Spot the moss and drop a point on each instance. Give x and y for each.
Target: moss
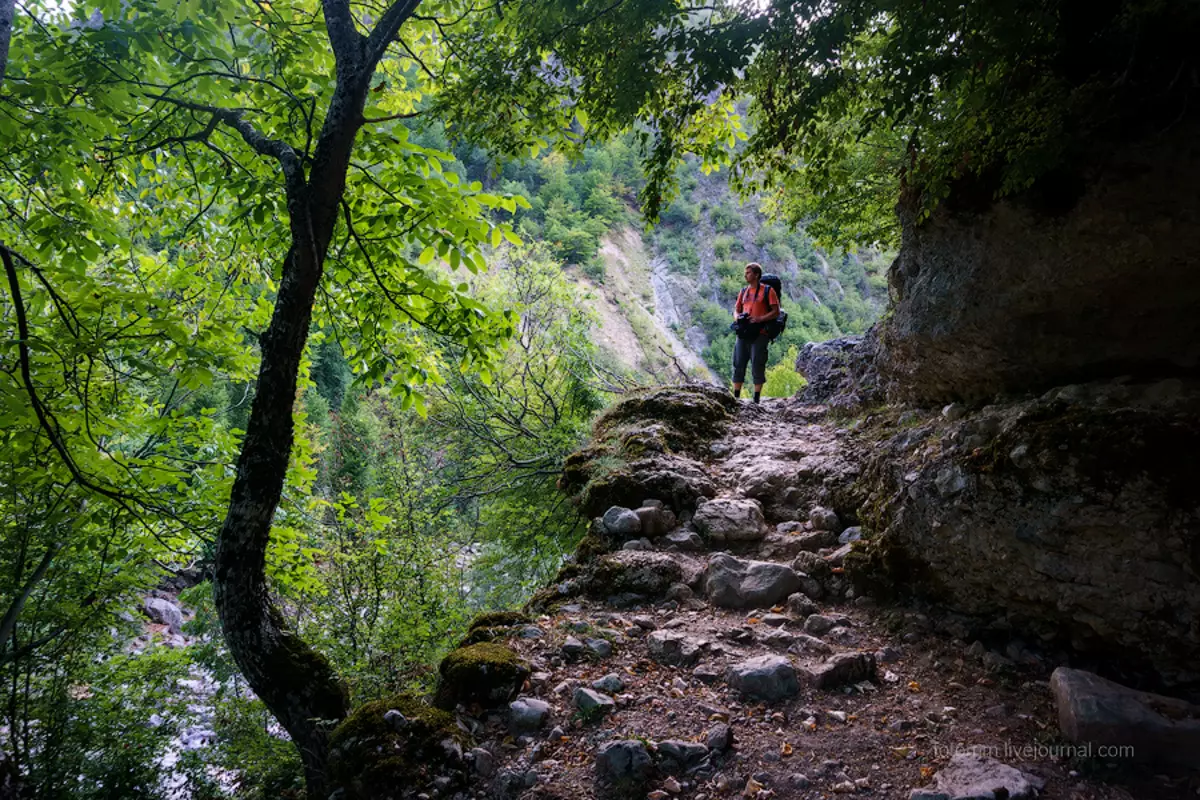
(369, 757)
(484, 673)
(687, 415)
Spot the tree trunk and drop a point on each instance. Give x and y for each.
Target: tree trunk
(299, 686)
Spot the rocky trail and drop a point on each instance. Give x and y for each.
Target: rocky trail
(721, 652)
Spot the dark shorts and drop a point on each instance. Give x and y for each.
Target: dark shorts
(754, 353)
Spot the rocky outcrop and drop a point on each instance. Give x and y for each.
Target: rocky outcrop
(1086, 276)
(841, 372)
(1074, 517)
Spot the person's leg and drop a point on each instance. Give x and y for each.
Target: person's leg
(758, 365)
(741, 357)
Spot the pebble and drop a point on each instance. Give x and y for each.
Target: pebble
(798, 780)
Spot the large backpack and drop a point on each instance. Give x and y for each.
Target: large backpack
(775, 326)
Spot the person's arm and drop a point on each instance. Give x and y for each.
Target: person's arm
(772, 305)
(737, 306)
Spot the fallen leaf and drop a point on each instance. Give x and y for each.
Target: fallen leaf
(752, 789)
(927, 773)
(913, 686)
(785, 749)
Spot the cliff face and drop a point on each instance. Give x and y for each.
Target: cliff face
(1087, 276)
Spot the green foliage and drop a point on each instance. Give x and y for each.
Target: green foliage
(782, 379)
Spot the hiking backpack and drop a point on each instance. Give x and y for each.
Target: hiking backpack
(775, 326)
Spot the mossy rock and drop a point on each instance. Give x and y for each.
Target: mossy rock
(485, 673)
(683, 416)
(377, 756)
(493, 625)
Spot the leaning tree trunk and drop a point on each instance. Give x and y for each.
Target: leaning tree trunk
(299, 687)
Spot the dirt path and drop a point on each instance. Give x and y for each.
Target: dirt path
(932, 694)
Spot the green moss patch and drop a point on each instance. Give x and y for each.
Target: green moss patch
(372, 756)
(485, 673)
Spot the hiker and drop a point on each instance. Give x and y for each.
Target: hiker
(756, 305)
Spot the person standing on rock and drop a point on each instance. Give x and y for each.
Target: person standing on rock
(757, 304)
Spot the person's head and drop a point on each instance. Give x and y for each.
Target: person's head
(753, 272)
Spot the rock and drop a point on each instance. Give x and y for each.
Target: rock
(799, 606)
(817, 625)
(841, 670)
(767, 480)
(719, 738)
(1102, 714)
(733, 583)
(803, 644)
(572, 648)
(798, 781)
(840, 372)
(824, 519)
(680, 593)
(768, 678)
(672, 648)
(779, 640)
(634, 572)
(726, 520)
(812, 541)
(682, 756)
(530, 632)
(972, 777)
(838, 557)
(527, 714)
(164, 612)
(654, 520)
(954, 412)
(687, 541)
(887, 655)
(483, 762)
(593, 704)
(600, 648)
(775, 620)
(850, 535)
(485, 673)
(645, 622)
(637, 544)
(621, 523)
(706, 675)
(624, 767)
(814, 566)
(609, 684)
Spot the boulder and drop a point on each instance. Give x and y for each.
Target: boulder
(621, 523)
(680, 756)
(733, 583)
(593, 704)
(164, 612)
(972, 777)
(730, 520)
(655, 520)
(687, 541)
(769, 678)
(634, 572)
(719, 738)
(767, 480)
(527, 714)
(824, 519)
(624, 768)
(1101, 714)
(609, 684)
(673, 648)
(842, 669)
(486, 673)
